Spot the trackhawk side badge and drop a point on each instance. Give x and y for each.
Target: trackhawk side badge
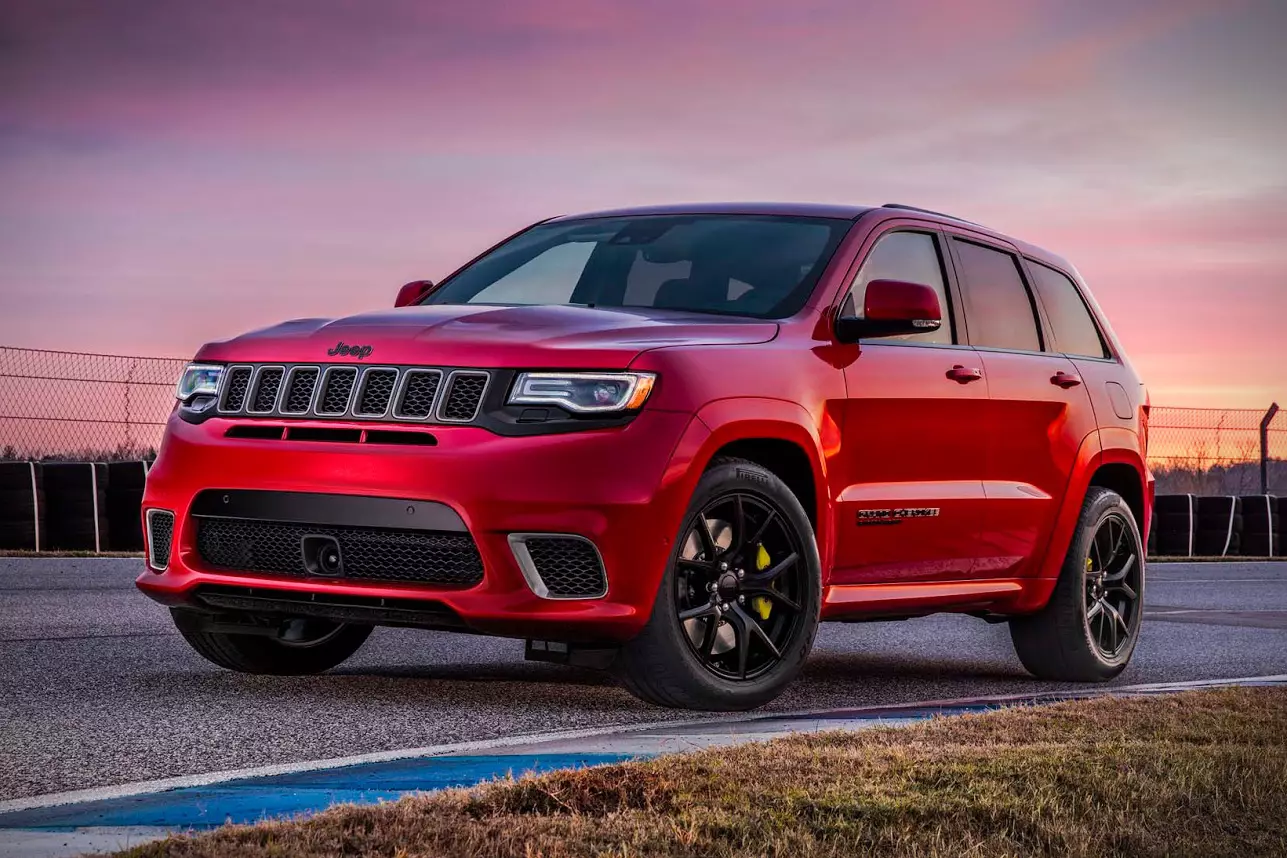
(358, 352)
(894, 516)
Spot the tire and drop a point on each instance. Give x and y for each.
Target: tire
(661, 664)
(16, 476)
(1057, 642)
(263, 654)
(1173, 505)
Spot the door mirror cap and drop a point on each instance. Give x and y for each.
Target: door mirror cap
(412, 292)
(892, 308)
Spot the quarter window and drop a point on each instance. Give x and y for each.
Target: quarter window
(998, 307)
(913, 258)
(1070, 320)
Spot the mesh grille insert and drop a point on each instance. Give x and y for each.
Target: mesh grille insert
(464, 397)
(266, 387)
(419, 393)
(338, 385)
(377, 390)
(569, 567)
(369, 553)
(234, 396)
(299, 393)
(160, 525)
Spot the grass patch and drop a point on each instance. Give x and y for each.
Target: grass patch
(1200, 773)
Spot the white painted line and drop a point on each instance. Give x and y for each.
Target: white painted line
(488, 745)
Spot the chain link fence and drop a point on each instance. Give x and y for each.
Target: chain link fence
(103, 408)
(71, 406)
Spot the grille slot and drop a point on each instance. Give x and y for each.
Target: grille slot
(377, 390)
(337, 389)
(464, 396)
(234, 393)
(419, 390)
(299, 390)
(267, 384)
(160, 535)
(560, 566)
(369, 553)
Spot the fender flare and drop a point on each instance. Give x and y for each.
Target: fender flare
(724, 421)
(1091, 456)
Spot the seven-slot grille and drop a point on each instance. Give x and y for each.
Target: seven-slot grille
(349, 392)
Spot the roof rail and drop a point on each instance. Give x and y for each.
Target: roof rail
(928, 211)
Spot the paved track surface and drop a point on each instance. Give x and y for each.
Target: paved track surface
(96, 688)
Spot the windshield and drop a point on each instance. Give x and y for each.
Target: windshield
(744, 265)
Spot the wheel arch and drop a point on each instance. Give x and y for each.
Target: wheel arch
(781, 437)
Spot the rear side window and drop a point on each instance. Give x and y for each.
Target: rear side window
(1070, 320)
(998, 308)
(913, 258)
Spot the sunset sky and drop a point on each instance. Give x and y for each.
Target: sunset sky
(173, 172)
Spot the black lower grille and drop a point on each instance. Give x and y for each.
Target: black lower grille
(569, 567)
(369, 553)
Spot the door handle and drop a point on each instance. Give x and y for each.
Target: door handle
(1065, 380)
(964, 374)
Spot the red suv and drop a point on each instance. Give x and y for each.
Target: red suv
(670, 441)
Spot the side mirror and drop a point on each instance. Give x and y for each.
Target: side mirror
(412, 292)
(892, 308)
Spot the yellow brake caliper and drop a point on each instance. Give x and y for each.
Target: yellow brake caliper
(761, 604)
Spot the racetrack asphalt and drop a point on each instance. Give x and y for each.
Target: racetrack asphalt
(96, 688)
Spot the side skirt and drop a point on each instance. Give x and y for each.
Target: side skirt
(853, 601)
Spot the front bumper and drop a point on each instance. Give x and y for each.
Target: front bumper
(611, 486)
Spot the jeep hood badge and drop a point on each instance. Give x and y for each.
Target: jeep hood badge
(341, 349)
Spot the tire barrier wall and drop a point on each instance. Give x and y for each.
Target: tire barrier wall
(22, 506)
(1219, 526)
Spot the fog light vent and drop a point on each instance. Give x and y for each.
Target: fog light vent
(160, 534)
(560, 566)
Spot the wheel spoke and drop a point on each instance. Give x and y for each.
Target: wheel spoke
(709, 637)
(739, 525)
(1099, 557)
(1119, 620)
(738, 620)
(1123, 572)
(781, 598)
(762, 529)
(1094, 611)
(705, 610)
(756, 629)
(763, 578)
(709, 549)
(695, 565)
(1124, 589)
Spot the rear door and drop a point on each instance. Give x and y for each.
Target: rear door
(910, 473)
(1039, 411)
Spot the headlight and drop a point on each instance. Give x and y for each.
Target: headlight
(583, 392)
(198, 379)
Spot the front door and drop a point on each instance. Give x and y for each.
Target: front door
(910, 496)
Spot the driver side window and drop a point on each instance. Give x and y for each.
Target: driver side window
(912, 257)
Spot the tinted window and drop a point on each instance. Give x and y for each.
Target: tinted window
(998, 308)
(744, 265)
(1070, 321)
(911, 257)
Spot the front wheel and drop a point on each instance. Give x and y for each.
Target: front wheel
(737, 610)
(1088, 630)
(286, 648)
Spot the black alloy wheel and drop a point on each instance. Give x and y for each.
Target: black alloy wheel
(739, 580)
(738, 603)
(1113, 585)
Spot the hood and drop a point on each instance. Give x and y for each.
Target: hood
(552, 337)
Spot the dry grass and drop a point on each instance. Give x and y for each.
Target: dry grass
(1202, 773)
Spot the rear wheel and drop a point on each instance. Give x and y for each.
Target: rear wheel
(737, 610)
(1088, 630)
(288, 647)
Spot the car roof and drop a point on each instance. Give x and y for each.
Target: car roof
(750, 208)
(822, 210)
